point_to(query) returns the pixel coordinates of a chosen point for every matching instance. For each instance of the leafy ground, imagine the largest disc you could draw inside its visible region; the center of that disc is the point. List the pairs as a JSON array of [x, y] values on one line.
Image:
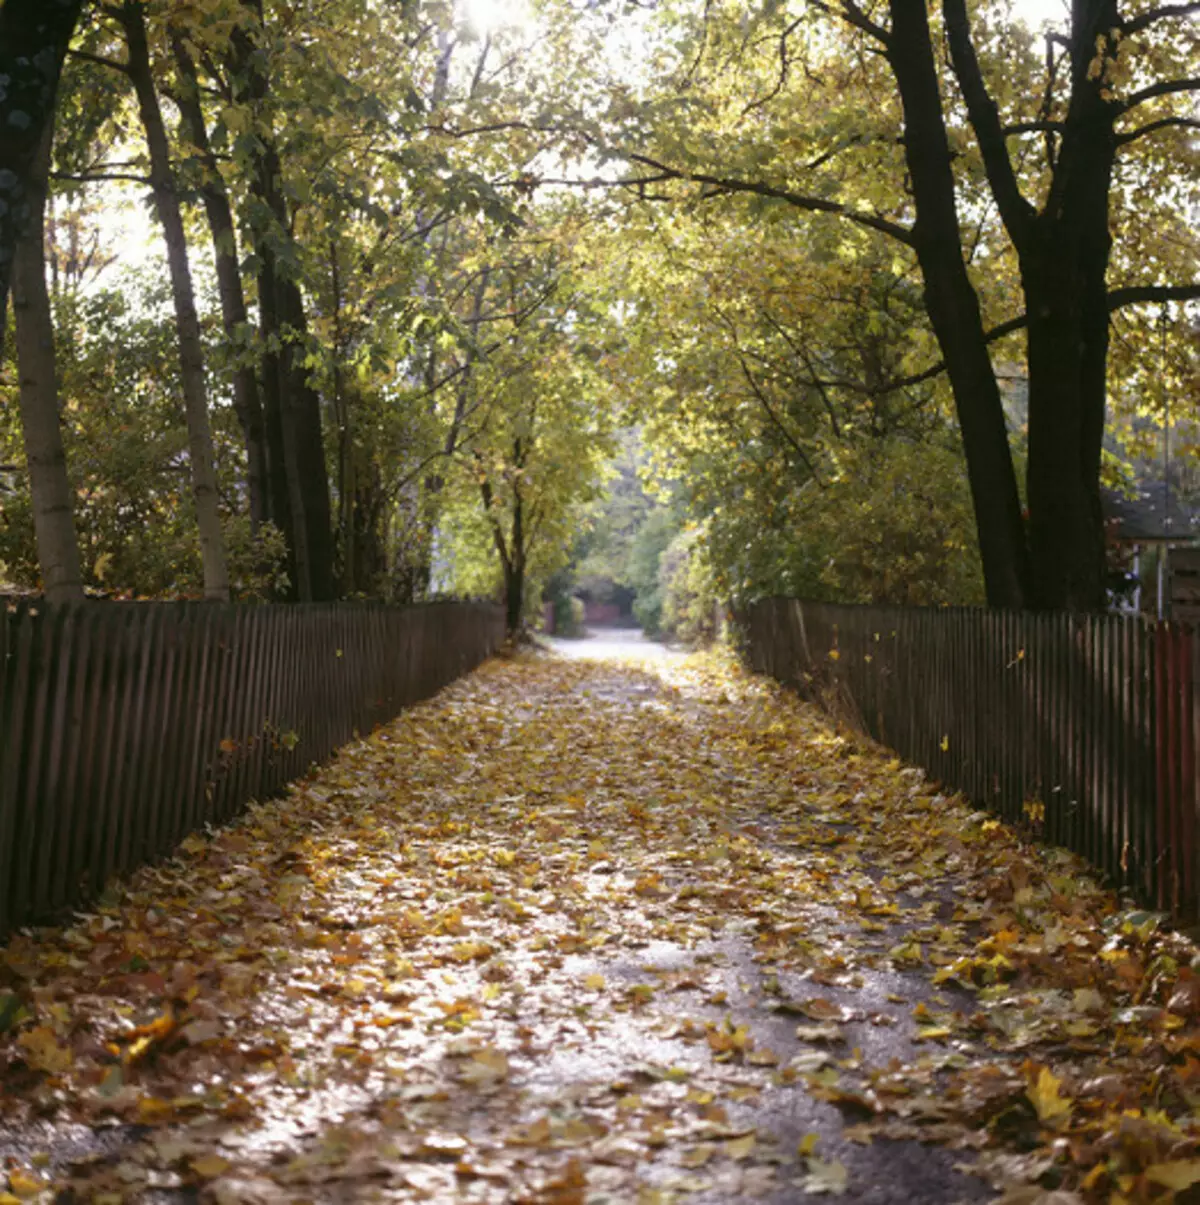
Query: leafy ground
[[587, 932]]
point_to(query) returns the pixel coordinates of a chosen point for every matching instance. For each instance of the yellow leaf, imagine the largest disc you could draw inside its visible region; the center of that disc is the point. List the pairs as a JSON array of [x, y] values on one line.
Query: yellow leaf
[[25, 1185], [487, 1066], [1177, 1174], [807, 1145], [153, 1109], [825, 1177], [43, 1052], [209, 1167], [1052, 1107], [945, 744], [699, 1155], [594, 983], [740, 1148]]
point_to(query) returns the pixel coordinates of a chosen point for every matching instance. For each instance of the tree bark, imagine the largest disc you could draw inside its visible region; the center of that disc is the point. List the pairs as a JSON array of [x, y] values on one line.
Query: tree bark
[[514, 570], [34, 35], [247, 401], [954, 310], [53, 505], [299, 484], [1064, 269], [304, 446], [187, 324]]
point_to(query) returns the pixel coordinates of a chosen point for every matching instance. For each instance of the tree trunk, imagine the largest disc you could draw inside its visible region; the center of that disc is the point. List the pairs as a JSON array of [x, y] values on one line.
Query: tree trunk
[[247, 401], [514, 598], [514, 569], [34, 35], [191, 350], [278, 498], [304, 446], [299, 484], [1064, 270], [954, 310], [53, 509]]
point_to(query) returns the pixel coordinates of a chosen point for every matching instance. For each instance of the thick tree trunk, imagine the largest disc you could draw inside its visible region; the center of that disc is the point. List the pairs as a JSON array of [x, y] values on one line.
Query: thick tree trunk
[[191, 348], [278, 498], [304, 445], [34, 35], [53, 509], [299, 483], [1064, 269], [247, 401], [954, 310]]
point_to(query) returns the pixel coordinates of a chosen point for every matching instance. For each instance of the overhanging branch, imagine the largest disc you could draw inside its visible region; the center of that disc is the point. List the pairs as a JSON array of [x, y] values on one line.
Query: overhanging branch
[[1151, 127], [730, 184], [1169, 87], [1143, 294], [1145, 20]]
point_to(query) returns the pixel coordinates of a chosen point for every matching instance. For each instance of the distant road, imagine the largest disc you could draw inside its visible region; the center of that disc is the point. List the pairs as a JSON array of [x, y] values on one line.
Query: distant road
[[612, 644]]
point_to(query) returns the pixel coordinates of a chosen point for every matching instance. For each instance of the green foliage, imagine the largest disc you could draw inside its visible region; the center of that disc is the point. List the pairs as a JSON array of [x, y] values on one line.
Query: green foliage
[[688, 585], [642, 567]]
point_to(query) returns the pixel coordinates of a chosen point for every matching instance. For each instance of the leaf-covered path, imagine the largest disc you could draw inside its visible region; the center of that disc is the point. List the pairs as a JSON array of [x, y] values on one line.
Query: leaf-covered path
[[586, 932]]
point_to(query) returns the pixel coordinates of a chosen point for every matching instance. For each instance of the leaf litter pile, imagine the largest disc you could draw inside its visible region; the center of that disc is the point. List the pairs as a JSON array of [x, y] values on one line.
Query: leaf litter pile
[[579, 932]]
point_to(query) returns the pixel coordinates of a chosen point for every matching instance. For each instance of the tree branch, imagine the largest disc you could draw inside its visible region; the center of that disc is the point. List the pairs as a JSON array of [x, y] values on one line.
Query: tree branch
[[93, 177], [801, 201], [99, 60], [1145, 20], [1152, 127], [849, 12], [1140, 294], [1015, 211], [1033, 127], [1163, 88]]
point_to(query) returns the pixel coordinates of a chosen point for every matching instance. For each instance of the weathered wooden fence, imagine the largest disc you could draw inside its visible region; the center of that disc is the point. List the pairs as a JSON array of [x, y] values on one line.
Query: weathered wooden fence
[[127, 725], [1083, 728]]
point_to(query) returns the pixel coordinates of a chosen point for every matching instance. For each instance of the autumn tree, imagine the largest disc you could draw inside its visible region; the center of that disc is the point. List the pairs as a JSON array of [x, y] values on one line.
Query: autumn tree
[[541, 417], [846, 110]]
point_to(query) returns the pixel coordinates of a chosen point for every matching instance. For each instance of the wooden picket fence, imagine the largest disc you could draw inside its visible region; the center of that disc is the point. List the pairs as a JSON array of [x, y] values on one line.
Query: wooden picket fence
[[1083, 729], [125, 726]]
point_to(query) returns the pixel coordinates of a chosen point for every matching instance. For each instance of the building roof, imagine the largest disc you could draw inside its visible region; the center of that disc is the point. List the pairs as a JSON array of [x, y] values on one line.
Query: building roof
[[1148, 517]]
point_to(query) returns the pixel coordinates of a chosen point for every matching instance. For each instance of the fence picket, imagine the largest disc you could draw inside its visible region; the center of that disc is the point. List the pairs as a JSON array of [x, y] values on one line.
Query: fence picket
[[127, 725], [1096, 717]]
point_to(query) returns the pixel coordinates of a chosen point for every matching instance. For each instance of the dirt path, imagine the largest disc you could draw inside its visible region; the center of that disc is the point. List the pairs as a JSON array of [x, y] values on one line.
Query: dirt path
[[579, 932]]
